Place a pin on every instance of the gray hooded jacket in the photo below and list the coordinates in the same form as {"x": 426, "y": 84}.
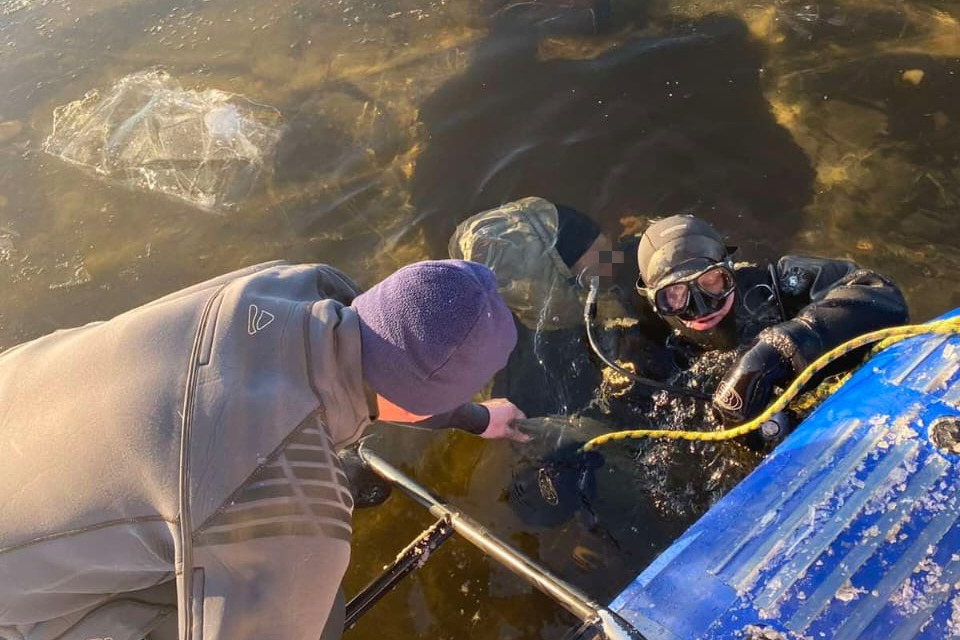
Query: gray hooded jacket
{"x": 192, "y": 439}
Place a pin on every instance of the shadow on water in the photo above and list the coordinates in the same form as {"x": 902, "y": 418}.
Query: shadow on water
{"x": 673, "y": 119}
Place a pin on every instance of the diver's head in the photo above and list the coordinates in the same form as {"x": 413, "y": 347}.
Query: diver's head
{"x": 687, "y": 276}
{"x": 580, "y": 243}
{"x": 536, "y": 249}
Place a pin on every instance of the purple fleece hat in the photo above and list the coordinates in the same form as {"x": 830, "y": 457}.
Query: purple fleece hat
{"x": 433, "y": 334}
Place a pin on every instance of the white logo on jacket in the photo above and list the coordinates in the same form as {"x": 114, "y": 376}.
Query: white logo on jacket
{"x": 258, "y": 319}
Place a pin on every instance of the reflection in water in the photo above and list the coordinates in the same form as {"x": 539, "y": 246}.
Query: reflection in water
{"x": 871, "y": 93}
{"x": 830, "y": 128}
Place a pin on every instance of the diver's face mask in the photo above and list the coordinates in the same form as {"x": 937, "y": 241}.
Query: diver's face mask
{"x": 692, "y": 295}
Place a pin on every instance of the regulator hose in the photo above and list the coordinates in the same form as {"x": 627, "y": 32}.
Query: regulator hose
{"x": 589, "y": 311}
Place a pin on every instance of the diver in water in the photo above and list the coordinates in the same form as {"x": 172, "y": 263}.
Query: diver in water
{"x": 543, "y": 256}
{"x": 689, "y": 298}
{"x": 721, "y": 335}
{"x": 786, "y": 314}
{"x": 535, "y": 248}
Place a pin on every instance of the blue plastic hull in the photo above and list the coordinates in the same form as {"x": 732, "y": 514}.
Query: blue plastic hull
{"x": 848, "y": 530}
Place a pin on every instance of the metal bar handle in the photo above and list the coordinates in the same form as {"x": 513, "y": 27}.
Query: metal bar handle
{"x": 568, "y": 596}
{"x": 406, "y": 562}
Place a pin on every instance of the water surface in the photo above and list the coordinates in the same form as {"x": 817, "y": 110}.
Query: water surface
{"x": 831, "y": 128}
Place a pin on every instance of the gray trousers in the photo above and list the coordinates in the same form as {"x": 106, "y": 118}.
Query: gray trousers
{"x": 334, "y": 627}
{"x": 150, "y": 614}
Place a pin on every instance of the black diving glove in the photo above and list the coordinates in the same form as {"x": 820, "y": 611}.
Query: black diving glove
{"x": 366, "y": 487}
{"x": 746, "y": 388}
{"x": 550, "y": 491}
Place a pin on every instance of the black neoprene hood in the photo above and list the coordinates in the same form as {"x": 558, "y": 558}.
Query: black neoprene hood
{"x": 677, "y": 241}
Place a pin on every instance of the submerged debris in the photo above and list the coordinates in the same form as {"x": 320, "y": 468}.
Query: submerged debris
{"x": 7, "y": 246}
{"x": 913, "y": 76}
{"x": 78, "y": 275}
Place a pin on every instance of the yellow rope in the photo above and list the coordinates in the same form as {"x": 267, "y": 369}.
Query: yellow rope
{"x": 885, "y": 337}
{"x": 810, "y": 400}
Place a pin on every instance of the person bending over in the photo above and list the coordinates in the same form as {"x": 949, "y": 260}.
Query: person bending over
{"x": 176, "y": 466}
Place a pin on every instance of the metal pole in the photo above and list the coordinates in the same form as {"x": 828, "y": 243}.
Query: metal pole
{"x": 613, "y": 626}
{"x": 407, "y": 561}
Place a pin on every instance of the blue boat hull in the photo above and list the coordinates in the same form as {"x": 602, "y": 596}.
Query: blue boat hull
{"x": 848, "y": 530}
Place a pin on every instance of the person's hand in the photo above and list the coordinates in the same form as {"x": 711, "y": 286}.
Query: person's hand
{"x": 502, "y": 414}
{"x": 746, "y": 388}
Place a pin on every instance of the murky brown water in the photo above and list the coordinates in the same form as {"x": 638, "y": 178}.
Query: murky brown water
{"x": 831, "y": 128}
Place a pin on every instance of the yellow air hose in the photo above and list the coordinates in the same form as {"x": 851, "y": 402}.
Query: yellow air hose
{"x": 885, "y": 337}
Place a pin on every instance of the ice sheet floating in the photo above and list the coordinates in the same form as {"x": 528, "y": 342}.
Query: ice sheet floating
{"x": 146, "y": 132}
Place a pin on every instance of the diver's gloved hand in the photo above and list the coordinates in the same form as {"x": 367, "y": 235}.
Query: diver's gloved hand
{"x": 551, "y": 490}
{"x": 747, "y": 387}
{"x": 366, "y": 487}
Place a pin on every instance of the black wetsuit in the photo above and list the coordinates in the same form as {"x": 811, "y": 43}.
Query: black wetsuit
{"x": 647, "y": 493}
{"x": 814, "y": 303}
